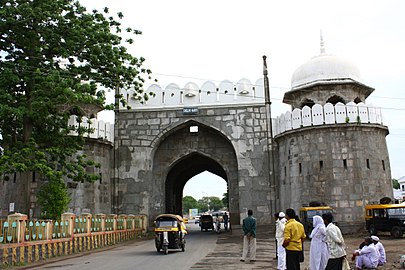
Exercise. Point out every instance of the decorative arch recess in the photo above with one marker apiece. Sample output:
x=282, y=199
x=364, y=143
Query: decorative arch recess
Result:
x=181, y=154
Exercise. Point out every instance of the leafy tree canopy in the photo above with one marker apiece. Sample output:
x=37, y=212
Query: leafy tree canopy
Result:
x=189, y=203
x=212, y=203
x=395, y=184
x=55, y=59
x=225, y=199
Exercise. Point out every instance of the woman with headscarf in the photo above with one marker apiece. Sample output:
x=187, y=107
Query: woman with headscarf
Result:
x=319, y=250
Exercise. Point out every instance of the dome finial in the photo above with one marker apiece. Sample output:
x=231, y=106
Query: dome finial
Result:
x=322, y=44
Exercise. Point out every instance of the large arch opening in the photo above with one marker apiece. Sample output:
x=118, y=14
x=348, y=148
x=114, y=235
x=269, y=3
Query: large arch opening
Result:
x=202, y=187
x=182, y=172
x=186, y=151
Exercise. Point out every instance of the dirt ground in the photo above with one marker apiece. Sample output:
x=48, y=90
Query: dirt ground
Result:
x=394, y=248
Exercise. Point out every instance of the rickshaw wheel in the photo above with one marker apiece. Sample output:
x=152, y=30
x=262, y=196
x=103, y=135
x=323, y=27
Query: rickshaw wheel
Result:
x=165, y=250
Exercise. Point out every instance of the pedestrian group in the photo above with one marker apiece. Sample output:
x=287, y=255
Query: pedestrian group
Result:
x=327, y=249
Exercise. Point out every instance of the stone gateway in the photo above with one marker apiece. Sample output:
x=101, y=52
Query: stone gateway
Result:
x=330, y=148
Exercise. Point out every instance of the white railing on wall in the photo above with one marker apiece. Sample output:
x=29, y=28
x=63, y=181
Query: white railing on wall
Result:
x=326, y=115
x=209, y=93
x=98, y=128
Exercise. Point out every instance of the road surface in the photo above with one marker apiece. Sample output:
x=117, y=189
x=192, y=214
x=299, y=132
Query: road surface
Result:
x=143, y=255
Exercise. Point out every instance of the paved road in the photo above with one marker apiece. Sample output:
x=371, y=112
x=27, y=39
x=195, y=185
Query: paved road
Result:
x=143, y=255
x=207, y=251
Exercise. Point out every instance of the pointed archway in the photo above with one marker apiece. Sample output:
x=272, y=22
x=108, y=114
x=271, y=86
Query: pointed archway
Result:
x=183, y=171
x=186, y=151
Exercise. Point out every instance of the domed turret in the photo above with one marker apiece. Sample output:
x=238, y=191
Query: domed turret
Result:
x=325, y=69
x=326, y=78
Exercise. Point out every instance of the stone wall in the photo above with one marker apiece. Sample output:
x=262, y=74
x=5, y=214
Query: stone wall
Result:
x=149, y=144
x=94, y=197
x=21, y=188
x=343, y=165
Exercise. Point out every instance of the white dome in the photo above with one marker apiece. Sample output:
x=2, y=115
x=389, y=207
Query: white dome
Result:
x=325, y=68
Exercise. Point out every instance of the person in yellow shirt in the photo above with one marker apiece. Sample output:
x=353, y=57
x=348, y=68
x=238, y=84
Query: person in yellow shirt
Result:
x=294, y=236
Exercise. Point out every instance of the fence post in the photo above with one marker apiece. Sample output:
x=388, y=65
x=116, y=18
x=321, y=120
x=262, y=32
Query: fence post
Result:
x=102, y=218
x=123, y=217
x=144, y=223
x=114, y=218
x=87, y=216
x=20, y=220
x=131, y=222
x=70, y=218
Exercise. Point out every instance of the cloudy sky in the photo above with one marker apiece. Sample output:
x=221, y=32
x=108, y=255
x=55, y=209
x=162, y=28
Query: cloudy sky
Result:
x=224, y=40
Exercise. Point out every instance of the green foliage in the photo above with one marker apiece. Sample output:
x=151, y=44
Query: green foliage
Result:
x=395, y=184
x=54, y=199
x=189, y=203
x=56, y=58
x=210, y=203
x=225, y=199
x=216, y=203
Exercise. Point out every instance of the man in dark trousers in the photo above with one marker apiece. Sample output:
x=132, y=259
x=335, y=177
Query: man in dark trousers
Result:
x=335, y=242
x=294, y=236
x=249, y=238
x=226, y=220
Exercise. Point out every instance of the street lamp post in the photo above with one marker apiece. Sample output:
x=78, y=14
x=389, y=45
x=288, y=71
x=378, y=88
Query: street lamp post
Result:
x=270, y=140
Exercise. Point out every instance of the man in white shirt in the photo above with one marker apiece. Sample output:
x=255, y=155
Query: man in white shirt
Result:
x=335, y=242
x=281, y=255
x=367, y=256
x=381, y=250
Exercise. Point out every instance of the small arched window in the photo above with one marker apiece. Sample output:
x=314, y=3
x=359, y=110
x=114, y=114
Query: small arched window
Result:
x=357, y=100
x=335, y=99
x=307, y=102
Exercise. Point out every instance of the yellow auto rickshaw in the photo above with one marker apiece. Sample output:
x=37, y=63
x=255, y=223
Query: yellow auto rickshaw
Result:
x=170, y=232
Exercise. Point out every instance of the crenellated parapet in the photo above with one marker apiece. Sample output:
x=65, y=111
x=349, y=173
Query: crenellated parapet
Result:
x=98, y=128
x=191, y=94
x=328, y=114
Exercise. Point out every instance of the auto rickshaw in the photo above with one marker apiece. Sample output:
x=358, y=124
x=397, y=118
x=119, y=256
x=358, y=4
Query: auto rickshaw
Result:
x=170, y=232
x=307, y=214
x=206, y=222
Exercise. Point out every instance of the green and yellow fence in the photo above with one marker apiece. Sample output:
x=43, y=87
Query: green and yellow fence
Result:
x=23, y=241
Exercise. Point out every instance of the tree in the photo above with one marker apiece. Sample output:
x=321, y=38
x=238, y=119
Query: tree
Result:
x=189, y=203
x=210, y=203
x=395, y=184
x=203, y=204
x=225, y=199
x=55, y=60
x=216, y=203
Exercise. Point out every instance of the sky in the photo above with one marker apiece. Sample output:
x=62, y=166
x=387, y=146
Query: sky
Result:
x=197, y=41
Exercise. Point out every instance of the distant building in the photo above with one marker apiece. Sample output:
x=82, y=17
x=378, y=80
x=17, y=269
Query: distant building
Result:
x=400, y=193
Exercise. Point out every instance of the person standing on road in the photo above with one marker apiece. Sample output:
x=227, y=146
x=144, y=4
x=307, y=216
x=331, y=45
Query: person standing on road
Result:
x=382, y=259
x=275, y=239
x=294, y=236
x=335, y=242
x=280, y=225
x=249, y=238
x=226, y=220
x=319, y=250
